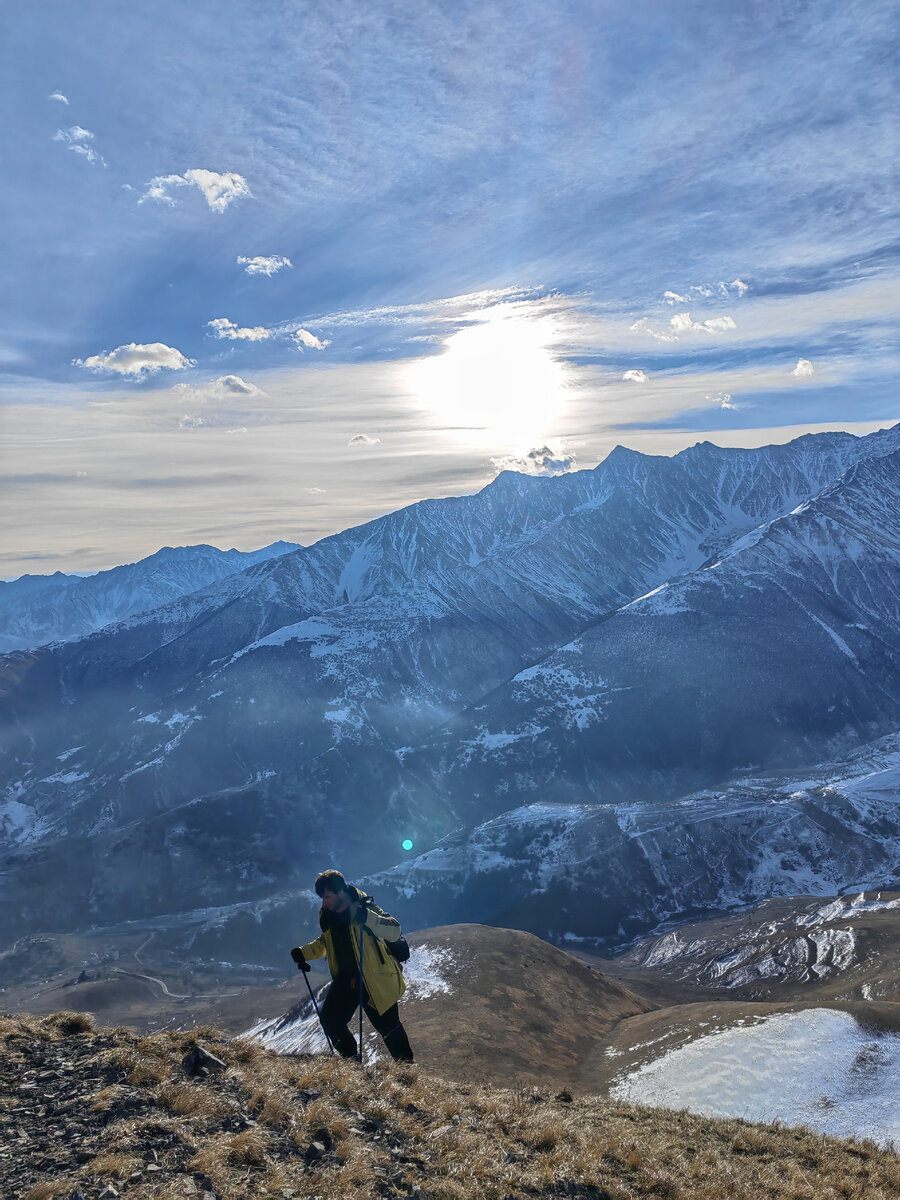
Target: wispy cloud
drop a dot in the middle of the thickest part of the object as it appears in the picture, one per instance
(219, 190)
(683, 325)
(723, 399)
(363, 439)
(224, 328)
(264, 265)
(635, 376)
(804, 369)
(136, 359)
(58, 96)
(445, 309)
(707, 291)
(226, 387)
(79, 141)
(542, 460)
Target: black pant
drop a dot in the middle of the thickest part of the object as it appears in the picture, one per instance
(339, 1006)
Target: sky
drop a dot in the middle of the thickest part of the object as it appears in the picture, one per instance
(275, 269)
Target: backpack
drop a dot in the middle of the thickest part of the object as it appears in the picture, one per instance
(398, 949)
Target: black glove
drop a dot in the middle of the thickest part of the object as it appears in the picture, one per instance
(297, 956)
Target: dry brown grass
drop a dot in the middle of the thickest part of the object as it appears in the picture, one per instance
(193, 1100)
(69, 1023)
(117, 1166)
(379, 1131)
(49, 1191)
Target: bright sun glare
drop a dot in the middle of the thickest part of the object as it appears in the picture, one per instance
(496, 378)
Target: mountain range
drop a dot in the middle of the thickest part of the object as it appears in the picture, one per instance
(550, 663)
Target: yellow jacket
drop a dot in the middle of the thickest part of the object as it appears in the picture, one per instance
(382, 976)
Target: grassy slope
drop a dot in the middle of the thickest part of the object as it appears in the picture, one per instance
(111, 1107)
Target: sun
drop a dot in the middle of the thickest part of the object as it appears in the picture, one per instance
(496, 378)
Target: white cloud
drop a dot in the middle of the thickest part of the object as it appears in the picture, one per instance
(226, 387)
(314, 491)
(227, 329)
(718, 324)
(58, 96)
(723, 399)
(363, 439)
(240, 429)
(188, 422)
(804, 369)
(682, 324)
(304, 338)
(706, 290)
(79, 141)
(542, 460)
(219, 189)
(260, 265)
(635, 376)
(135, 359)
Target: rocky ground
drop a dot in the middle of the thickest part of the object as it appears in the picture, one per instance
(95, 1114)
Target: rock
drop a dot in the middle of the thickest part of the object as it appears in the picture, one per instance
(314, 1151)
(200, 1061)
(323, 1135)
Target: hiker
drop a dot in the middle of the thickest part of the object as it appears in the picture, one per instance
(346, 914)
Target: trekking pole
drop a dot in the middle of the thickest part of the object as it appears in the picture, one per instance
(312, 997)
(361, 944)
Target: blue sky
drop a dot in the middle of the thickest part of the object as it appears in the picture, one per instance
(273, 269)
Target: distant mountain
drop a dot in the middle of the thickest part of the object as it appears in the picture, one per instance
(37, 609)
(782, 648)
(846, 948)
(592, 874)
(625, 634)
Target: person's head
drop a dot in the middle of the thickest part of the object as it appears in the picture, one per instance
(331, 886)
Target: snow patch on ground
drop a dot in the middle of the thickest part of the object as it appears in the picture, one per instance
(19, 823)
(844, 907)
(426, 971)
(817, 1068)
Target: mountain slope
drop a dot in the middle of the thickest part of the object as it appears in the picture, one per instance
(38, 609)
(104, 1111)
(253, 727)
(603, 873)
(783, 650)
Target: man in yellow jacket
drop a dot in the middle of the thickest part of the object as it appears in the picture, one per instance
(346, 916)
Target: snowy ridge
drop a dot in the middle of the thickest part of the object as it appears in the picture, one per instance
(35, 610)
(500, 641)
(606, 873)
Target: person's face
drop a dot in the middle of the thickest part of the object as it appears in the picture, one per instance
(336, 902)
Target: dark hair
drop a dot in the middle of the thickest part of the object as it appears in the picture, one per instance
(330, 881)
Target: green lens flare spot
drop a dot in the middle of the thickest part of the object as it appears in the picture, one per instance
(407, 844)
